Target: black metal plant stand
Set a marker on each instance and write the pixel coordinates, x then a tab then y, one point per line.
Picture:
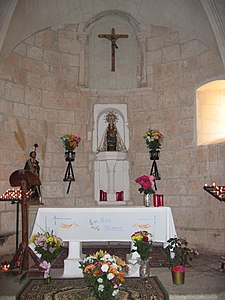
154	155
69	175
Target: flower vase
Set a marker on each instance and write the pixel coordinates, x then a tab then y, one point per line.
178	277
148	200
70	155
144	270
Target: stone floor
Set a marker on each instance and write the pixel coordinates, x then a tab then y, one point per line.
205	280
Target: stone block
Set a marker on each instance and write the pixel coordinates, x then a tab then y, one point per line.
46	39
52	57
20	76
7	226
66	45
14	92
191	48
155	43
52	99
34	52
154	57
66	116
48	83
172	38
35	112
74	101
171	53
51	115
166	74
33	96
70	59
20	110
2	88
33	79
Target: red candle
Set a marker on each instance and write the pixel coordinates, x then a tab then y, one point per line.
156	200
104	196
117	196
121	196
161	202
101	195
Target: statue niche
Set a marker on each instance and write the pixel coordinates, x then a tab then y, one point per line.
111	141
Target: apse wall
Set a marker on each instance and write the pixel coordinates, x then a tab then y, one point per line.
44	89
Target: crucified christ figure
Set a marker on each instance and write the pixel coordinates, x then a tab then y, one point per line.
113	37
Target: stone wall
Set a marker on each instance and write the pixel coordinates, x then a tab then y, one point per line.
40	92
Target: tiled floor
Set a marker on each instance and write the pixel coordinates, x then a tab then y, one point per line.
205	280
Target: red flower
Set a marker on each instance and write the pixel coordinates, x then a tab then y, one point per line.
145	239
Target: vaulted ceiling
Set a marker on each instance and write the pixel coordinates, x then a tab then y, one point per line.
204	19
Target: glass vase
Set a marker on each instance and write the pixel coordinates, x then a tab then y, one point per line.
144	269
148	200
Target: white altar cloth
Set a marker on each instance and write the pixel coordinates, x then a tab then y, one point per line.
93	224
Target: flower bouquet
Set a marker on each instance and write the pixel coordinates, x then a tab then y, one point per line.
70	141
147	183
153	139
48	246
143	244
104	274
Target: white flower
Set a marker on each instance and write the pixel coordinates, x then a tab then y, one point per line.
110	276
115	292
104	267
100	280
101	287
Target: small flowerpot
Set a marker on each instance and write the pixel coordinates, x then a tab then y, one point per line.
154	154
70	155
178	277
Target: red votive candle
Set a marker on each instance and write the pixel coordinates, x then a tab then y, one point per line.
156	200
161	202
104	196
101	195
117	196
121	196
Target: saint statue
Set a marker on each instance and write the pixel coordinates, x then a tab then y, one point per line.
111	137
32	164
111	140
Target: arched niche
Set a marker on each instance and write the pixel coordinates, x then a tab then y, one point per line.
130	57
111	168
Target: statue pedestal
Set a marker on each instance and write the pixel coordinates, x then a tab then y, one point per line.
111	175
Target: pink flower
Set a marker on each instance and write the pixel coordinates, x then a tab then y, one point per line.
178	268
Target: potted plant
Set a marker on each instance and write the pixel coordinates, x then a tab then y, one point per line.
104	274
143	245
154	139
179	255
147	187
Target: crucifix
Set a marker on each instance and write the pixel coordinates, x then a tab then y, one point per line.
113	37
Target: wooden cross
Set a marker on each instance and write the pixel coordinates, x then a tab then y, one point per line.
113	37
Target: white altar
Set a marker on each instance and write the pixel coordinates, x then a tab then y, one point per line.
94	224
